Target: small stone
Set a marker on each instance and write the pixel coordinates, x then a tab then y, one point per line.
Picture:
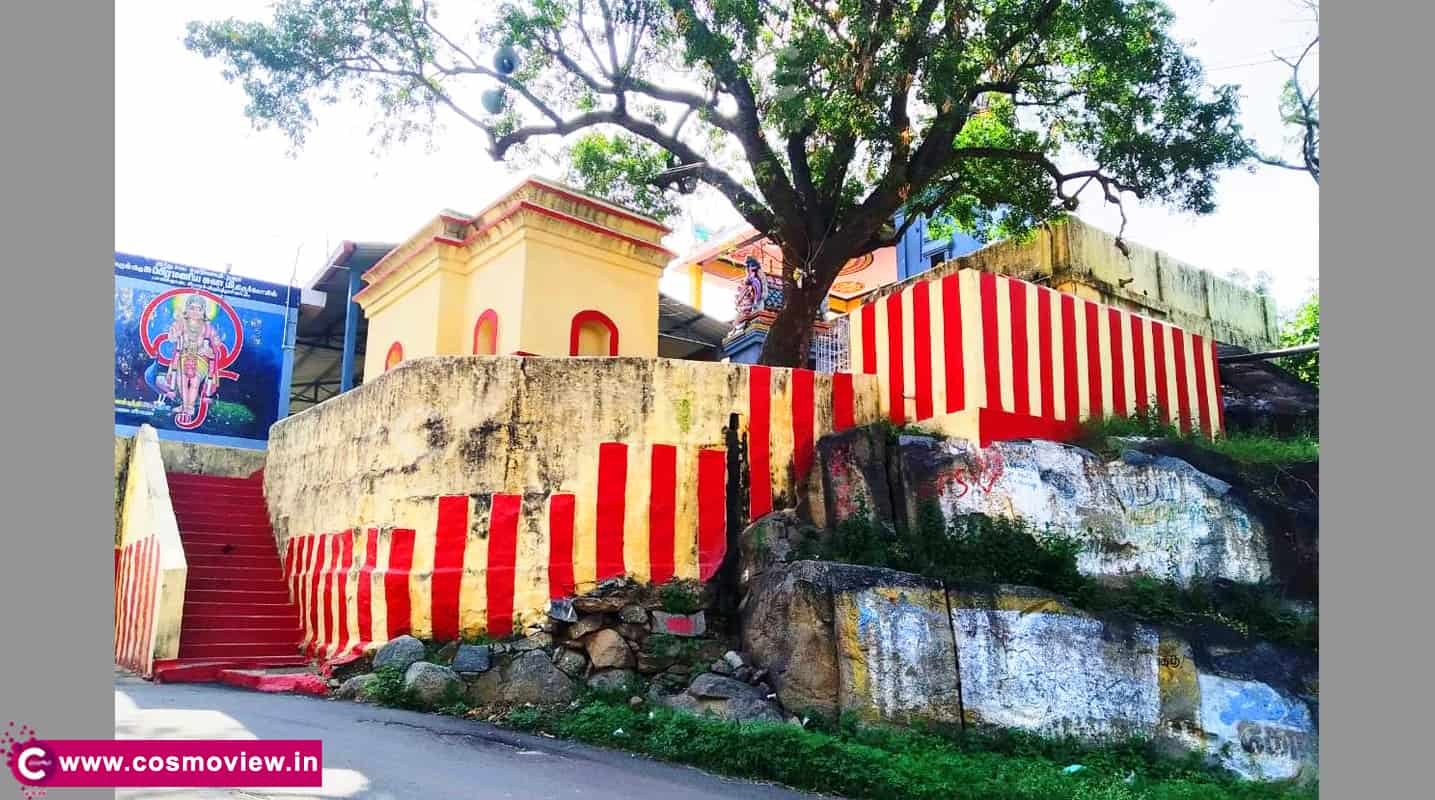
759	676
607	649
691	625
472	658
585	626
743	674
571	662
734	659
634	614
400	653
537	641
717	687
651	663
446	653
599	605
721	667
633	633
431	684
562	610
335	683
762	686
635	702
613	681
355	688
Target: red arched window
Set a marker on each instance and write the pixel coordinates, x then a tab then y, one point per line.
396	354
485	334
592	334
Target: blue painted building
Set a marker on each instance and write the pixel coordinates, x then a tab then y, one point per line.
918	252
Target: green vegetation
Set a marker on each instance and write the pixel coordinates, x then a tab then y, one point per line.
878	762
1247	449
681	596
387	689
1303	328
981	549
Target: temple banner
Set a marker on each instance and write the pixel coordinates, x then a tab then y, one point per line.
200	355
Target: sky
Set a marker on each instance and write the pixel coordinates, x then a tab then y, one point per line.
196	184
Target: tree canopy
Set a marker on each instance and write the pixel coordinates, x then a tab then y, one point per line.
818	120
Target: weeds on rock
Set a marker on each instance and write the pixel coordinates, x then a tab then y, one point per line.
681	596
976	548
1246	449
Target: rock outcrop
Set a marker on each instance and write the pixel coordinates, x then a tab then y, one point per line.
895	647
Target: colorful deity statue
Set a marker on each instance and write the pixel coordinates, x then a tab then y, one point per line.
197	345
754	288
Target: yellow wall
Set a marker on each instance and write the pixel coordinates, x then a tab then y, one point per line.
408	316
537	257
575	276
383	456
147	624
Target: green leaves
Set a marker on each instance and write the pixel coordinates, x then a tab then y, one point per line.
621	168
994	113
1304	328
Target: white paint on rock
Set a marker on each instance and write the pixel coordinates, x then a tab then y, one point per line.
1057	674
1266	735
905	646
1140	515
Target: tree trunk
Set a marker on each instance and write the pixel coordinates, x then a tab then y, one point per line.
790	340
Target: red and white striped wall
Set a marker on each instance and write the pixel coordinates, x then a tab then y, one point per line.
136	587
654	511
1031	359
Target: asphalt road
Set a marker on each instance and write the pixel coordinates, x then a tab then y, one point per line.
385	754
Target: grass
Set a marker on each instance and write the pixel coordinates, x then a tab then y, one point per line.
1247	449
878	762
975	548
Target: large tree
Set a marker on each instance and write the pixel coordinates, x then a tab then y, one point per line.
817	119
1300	107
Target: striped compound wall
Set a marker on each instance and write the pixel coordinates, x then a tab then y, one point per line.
458	495
136	588
1028	360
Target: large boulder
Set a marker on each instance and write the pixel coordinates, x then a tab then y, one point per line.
839	637
431	684
1032	662
1259	396
524	678
1141	514
399	653
849	477
774	539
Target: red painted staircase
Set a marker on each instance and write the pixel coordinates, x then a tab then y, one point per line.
237	611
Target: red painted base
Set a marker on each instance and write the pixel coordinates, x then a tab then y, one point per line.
1001	426
261	681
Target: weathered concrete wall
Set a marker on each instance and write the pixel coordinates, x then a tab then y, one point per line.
881	643
1024	360
454	492
205	459
151	569
1139	514
1081	259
